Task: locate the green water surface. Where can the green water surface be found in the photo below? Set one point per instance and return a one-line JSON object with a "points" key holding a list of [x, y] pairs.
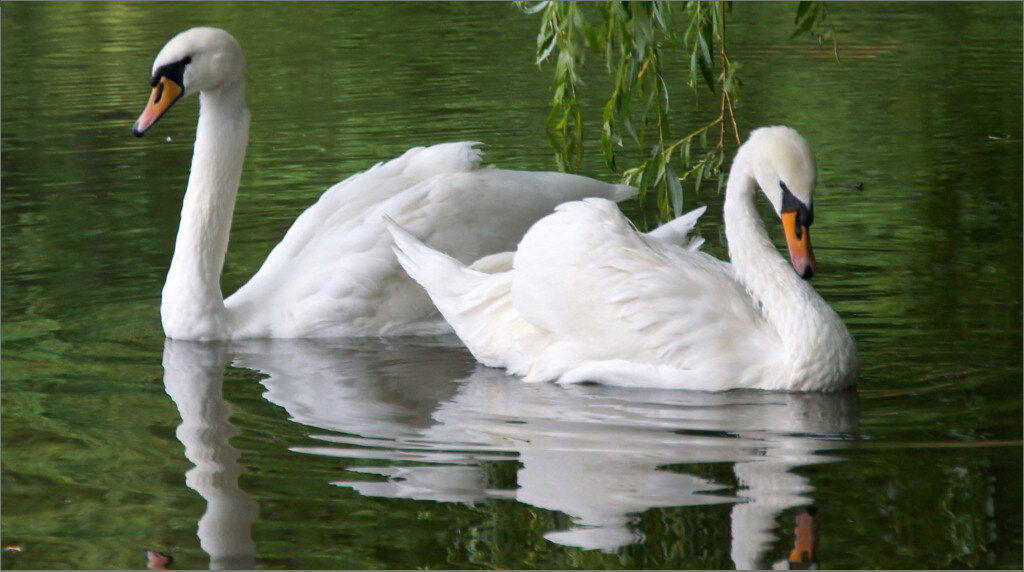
{"points": [[403, 453]]}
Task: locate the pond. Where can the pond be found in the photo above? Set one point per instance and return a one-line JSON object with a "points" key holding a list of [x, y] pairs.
{"points": [[403, 453]]}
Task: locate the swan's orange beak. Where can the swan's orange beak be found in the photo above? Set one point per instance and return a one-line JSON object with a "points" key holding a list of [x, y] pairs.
{"points": [[798, 239], [165, 93]]}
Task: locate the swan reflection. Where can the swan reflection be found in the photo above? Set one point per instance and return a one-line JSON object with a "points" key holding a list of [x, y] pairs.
{"points": [[194, 378], [601, 455]]}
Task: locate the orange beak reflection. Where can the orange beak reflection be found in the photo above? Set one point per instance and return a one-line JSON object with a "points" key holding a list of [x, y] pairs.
{"points": [[805, 542], [165, 93], [798, 239]]}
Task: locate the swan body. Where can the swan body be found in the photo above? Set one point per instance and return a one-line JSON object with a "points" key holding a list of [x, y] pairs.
{"points": [[588, 298], [334, 273]]}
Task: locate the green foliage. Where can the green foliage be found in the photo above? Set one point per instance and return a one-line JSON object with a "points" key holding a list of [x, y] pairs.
{"points": [[561, 27], [813, 18], [640, 40]]}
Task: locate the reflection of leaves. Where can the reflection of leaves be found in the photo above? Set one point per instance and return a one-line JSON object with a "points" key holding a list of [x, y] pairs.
{"points": [[28, 329], [494, 535], [965, 524]]}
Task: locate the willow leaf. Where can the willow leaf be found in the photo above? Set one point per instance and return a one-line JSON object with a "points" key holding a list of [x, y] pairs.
{"points": [[675, 191], [705, 62]]}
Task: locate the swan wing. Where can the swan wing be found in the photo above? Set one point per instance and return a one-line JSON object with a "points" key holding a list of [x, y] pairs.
{"points": [[346, 204], [590, 302], [675, 231], [334, 273], [634, 308]]}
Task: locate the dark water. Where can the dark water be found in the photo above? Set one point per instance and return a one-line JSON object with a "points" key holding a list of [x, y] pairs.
{"points": [[404, 453]]}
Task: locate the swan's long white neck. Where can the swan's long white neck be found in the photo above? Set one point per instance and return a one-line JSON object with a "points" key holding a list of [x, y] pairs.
{"points": [[818, 348], [758, 265], [192, 306]]}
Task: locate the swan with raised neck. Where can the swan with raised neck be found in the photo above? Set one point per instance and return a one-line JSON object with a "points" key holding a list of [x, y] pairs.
{"points": [[333, 274], [210, 62]]}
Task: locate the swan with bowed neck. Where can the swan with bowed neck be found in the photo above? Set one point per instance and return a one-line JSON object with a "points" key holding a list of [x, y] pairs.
{"points": [[588, 298], [334, 272]]}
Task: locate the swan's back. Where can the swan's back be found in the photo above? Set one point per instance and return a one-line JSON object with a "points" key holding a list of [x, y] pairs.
{"points": [[585, 268], [588, 298], [346, 204]]}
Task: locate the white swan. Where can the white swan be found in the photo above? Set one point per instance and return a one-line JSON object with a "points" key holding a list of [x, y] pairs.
{"points": [[334, 273], [591, 299]]}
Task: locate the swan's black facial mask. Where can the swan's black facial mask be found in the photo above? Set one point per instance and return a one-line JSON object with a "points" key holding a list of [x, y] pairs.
{"points": [[168, 86], [791, 204], [796, 221]]}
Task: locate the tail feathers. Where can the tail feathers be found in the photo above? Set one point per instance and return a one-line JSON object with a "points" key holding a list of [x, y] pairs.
{"points": [[497, 262], [478, 305], [675, 231], [462, 295], [431, 269]]}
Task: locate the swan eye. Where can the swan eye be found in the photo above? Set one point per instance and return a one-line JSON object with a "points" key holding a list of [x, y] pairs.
{"points": [[174, 72], [791, 204]]}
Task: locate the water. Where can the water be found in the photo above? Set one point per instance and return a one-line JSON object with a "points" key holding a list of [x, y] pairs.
{"points": [[404, 453]]}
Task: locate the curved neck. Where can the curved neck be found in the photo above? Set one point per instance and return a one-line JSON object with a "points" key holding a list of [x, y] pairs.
{"points": [[809, 330], [758, 265], [192, 306]]}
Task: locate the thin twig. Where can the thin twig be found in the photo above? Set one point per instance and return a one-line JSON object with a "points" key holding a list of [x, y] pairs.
{"points": [[726, 100], [735, 129], [694, 134]]}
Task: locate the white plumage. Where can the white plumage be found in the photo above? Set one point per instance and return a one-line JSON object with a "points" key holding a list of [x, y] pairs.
{"points": [[334, 272], [590, 299]]}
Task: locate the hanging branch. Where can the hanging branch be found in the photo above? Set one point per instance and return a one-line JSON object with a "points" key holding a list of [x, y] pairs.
{"points": [[637, 39]]}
